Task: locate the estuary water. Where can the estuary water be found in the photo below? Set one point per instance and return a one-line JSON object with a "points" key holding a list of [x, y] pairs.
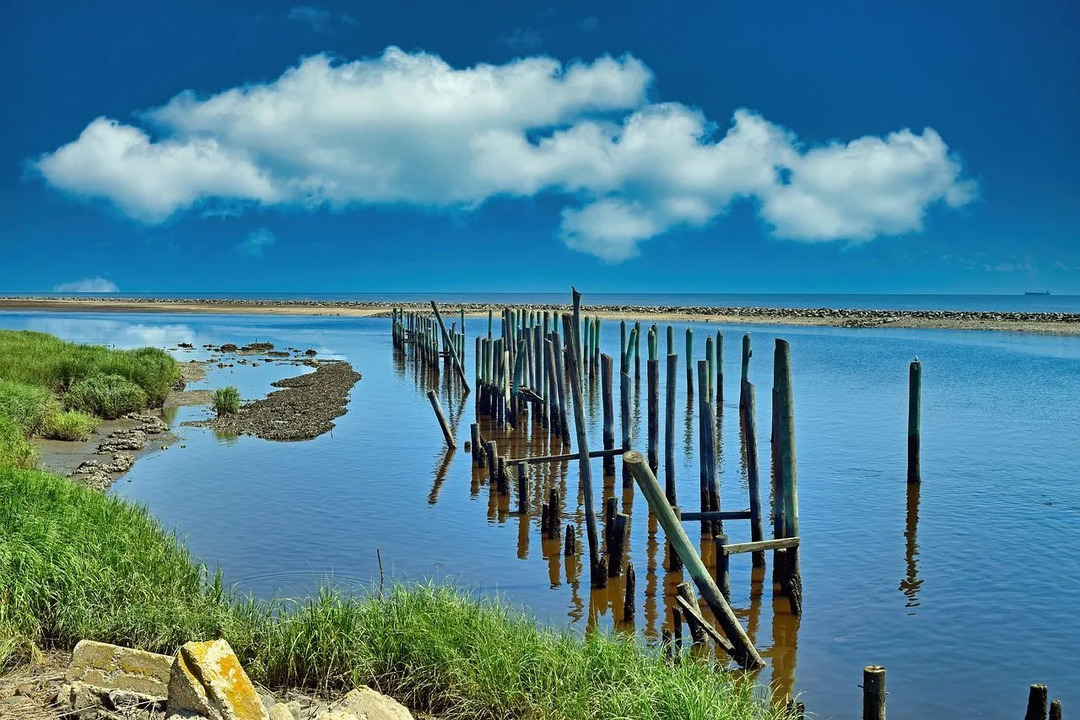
{"points": [[965, 587]]}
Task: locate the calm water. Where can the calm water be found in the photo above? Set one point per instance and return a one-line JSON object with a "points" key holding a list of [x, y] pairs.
{"points": [[967, 303], [965, 591]]}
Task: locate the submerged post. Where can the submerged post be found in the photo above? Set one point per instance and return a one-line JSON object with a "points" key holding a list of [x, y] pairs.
{"points": [[669, 429], [914, 471], [744, 651], [1037, 703]]}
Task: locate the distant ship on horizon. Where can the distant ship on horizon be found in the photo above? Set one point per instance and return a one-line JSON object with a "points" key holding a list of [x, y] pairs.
{"points": [[1037, 292]]}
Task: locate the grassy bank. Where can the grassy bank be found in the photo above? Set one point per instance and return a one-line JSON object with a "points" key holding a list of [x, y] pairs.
{"points": [[56, 389], [76, 564]]}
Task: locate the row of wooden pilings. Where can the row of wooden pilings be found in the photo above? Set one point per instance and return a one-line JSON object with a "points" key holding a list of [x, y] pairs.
{"points": [[528, 367], [430, 342]]}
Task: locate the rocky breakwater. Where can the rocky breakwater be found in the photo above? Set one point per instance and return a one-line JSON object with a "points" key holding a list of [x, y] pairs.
{"points": [[203, 681], [304, 408]]}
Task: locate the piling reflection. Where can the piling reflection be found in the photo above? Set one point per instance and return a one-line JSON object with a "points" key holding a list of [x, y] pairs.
{"points": [[911, 584]]}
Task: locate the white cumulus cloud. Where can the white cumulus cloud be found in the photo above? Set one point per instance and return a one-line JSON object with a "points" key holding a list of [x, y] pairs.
{"points": [[88, 285], [408, 128]]}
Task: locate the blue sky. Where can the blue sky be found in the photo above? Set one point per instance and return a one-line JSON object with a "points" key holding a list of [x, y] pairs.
{"points": [[354, 147]]}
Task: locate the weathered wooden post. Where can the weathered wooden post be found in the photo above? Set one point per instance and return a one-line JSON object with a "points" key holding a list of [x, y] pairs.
{"points": [[637, 350], [914, 471], [450, 347], [669, 429], [629, 606], [873, 693], [689, 363], [719, 370], [523, 488], [609, 413], [710, 497], [749, 425], [791, 577], [653, 370], [707, 388], [618, 537], [723, 573], [1055, 710], [747, 353], [570, 543], [597, 576], [446, 431], [555, 508], [744, 651], [1038, 698]]}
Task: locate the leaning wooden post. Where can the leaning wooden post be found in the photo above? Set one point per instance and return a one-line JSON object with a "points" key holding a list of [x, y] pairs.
{"points": [[873, 692], [792, 574], [450, 347], [744, 651], [1037, 703], [596, 576], [609, 412], [749, 425], [446, 431], [914, 471], [669, 429]]}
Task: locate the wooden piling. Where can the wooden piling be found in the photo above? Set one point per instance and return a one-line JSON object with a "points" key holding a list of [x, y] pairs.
{"points": [[597, 578], [674, 561], [448, 434], [1055, 710], [474, 434], [669, 429], [747, 353], [710, 362], [629, 604], [744, 651], [450, 347], [611, 509], [653, 371], [570, 543], [790, 496], [523, 488], [719, 371], [697, 629], [637, 350], [723, 573], [914, 471], [609, 412], [624, 413], [710, 496], [555, 508], [1038, 703], [618, 544], [749, 425], [873, 692], [689, 362]]}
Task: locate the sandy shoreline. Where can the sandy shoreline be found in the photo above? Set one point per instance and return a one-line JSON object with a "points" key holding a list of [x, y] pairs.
{"points": [[1053, 323]]}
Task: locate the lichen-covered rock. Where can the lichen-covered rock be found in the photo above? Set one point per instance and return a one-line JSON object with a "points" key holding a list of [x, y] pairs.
{"points": [[207, 679], [142, 676]]}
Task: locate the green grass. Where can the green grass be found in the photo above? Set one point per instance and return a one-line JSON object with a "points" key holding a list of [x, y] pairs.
{"points": [[107, 396], [15, 449], [47, 361], [71, 425], [227, 400], [29, 406], [77, 564]]}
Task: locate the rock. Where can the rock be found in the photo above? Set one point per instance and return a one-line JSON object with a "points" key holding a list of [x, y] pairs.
{"points": [[108, 668], [281, 711], [207, 679], [228, 347], [366, 704]]}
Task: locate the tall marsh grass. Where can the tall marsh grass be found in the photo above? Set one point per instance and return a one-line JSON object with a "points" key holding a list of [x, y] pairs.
{"points": [[77, 564], [46, 361]]}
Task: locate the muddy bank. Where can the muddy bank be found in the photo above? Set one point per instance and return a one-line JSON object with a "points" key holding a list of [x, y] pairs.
{"points": [[304, 408], [1048, 322]]}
